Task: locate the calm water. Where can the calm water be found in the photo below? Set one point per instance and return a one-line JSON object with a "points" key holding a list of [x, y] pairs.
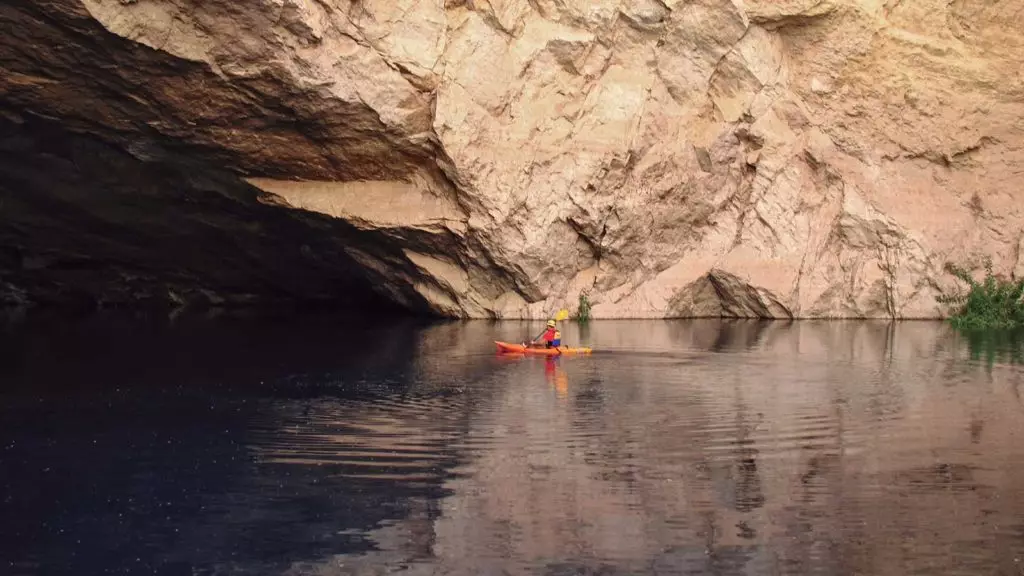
{"points": [[324, 446]]}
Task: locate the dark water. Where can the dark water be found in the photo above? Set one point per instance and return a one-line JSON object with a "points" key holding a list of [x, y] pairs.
{"points": [[324, 446]]}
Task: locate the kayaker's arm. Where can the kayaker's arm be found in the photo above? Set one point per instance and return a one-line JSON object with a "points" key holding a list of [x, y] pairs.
{"points": [[534, 339]]}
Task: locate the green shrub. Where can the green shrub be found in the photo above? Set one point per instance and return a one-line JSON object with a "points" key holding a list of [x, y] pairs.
{"points": [[991, 303], [583, 308]]}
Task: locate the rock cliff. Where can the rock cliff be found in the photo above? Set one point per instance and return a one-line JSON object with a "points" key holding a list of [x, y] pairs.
{"points": [[496, 158]]}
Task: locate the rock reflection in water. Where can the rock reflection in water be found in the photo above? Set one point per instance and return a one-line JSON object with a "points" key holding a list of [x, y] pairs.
{"points": [[679, 447]]}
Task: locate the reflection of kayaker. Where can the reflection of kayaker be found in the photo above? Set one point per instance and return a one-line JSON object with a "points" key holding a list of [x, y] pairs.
{"points": [[556, 376]]}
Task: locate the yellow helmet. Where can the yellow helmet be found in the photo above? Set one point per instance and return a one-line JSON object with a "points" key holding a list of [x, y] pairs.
{"points": [[551, 322]]}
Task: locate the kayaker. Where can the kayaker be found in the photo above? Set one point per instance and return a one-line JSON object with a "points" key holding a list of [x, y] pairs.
{"points": [[552, 337]]}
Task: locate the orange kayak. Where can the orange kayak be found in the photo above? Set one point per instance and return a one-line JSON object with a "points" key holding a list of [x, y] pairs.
{"points": [[509, 348]]}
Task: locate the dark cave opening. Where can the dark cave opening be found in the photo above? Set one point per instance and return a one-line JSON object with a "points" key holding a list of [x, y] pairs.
{"points": [[86, 223]]}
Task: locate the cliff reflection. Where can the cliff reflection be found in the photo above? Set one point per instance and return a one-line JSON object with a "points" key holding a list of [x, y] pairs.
{"points": [[737, 448]]}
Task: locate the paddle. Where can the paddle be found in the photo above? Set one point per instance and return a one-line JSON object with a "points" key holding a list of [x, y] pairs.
{"points": [[562, 314]]}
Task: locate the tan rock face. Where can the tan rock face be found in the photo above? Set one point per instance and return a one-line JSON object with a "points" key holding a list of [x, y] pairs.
{"points": [[494, 158]]}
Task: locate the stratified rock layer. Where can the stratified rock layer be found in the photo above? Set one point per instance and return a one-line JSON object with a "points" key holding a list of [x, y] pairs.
{"points": [[498, 158]]}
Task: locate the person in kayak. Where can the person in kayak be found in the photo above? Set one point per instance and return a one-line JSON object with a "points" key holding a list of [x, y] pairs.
{"points": [[551, 338]]}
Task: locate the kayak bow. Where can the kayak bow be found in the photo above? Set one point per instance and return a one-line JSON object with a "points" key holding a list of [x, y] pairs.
{"points": [[509, 348]]}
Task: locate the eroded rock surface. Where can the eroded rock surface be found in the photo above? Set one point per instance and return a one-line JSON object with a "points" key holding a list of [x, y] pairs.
{"points": [[495, 158]]}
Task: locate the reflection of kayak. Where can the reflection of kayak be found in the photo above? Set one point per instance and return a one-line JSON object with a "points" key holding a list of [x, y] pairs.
{"points": [[509, 348]]}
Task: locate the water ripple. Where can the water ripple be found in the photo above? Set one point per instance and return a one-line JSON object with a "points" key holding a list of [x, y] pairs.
{"points": [[677, 448]]}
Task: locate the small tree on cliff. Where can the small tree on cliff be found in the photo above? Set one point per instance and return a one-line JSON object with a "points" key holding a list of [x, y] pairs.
{"points": [[991, 303], [583, 308]]}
